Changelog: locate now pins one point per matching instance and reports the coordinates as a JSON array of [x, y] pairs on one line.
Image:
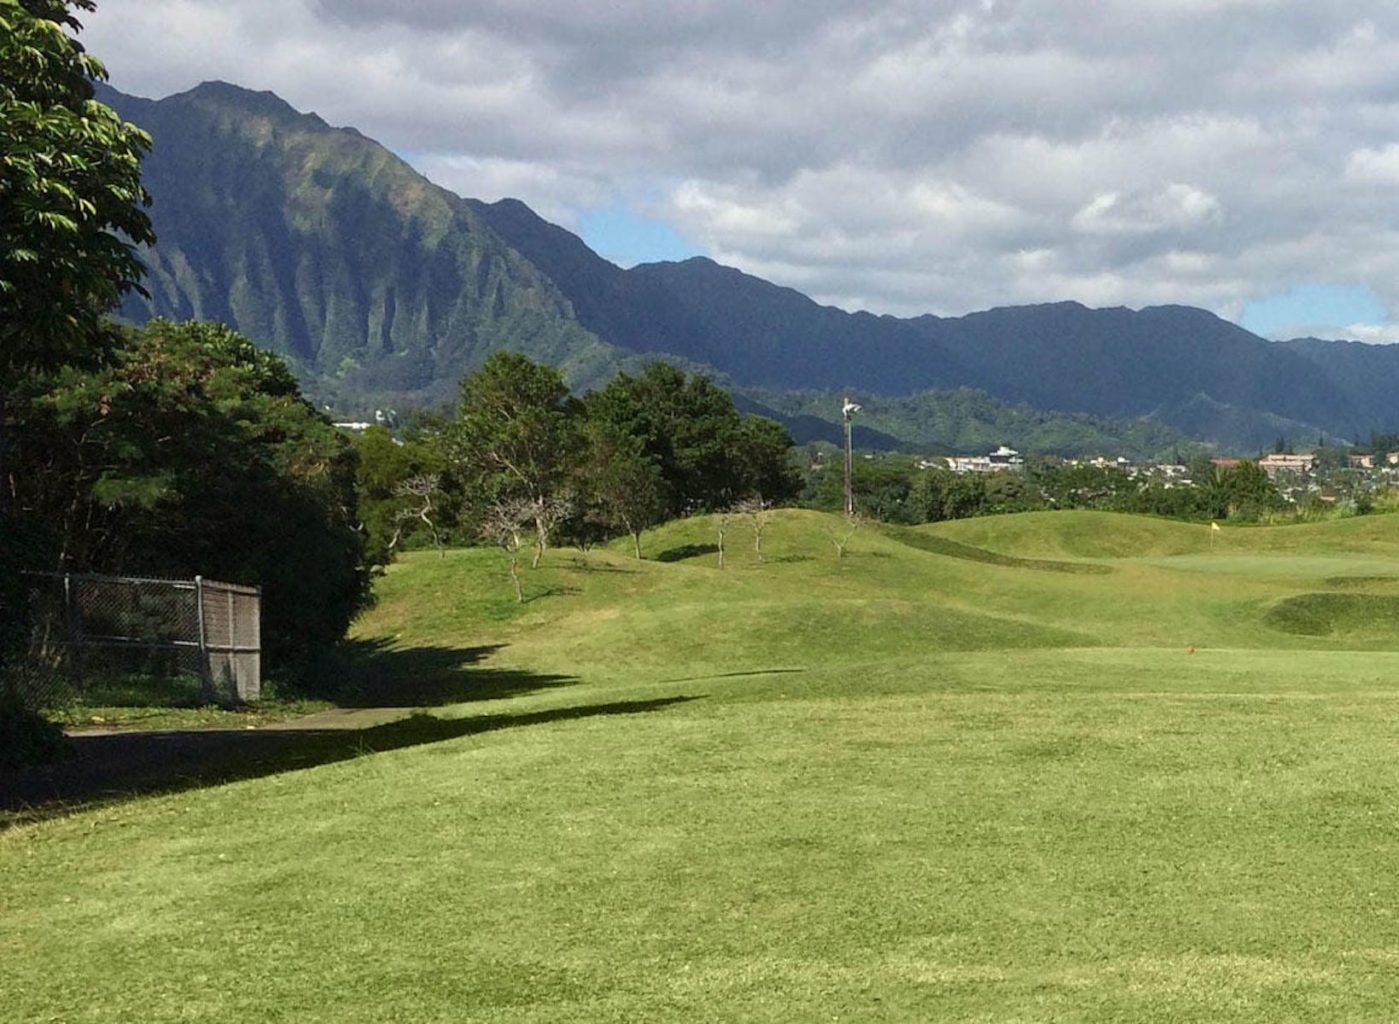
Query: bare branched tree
[[756, 511], [548, 513], [841, 532], [424, 489], [506, 525]]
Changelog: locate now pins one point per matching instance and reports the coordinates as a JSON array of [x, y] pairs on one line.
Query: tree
[[763, 456], [71, 201], [623, 486], [504, 525], [388, 506], [71, 214], [192, 451], [707, 454], [515, 436], [757, 512], [840, 531], [723, 519], [422, 490]]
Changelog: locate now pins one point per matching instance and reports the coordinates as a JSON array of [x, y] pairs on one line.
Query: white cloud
[[907, 155], [1374, 166]]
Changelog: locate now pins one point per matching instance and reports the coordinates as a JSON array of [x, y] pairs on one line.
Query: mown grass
[[906, 784]]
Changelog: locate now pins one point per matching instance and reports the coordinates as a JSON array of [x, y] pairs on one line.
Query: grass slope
[[938, 779]]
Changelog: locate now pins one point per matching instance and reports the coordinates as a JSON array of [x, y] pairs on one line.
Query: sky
[[900, 156]]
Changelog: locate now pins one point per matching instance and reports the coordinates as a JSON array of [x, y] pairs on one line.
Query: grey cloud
[[906, 154]]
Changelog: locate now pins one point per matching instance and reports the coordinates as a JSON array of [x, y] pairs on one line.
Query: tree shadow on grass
[[379, 674], [109, 767], [687, 551]]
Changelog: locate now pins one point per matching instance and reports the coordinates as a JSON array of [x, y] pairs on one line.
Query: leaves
[[71, 201]]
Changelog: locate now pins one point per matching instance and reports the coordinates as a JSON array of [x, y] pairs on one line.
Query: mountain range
[[382, 288]]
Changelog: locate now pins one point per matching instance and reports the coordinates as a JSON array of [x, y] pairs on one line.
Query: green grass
[[932, 780]]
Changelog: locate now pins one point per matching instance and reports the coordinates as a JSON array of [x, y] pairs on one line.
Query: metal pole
[[849, 467]]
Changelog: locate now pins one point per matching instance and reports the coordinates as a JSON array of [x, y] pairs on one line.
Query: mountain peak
[[263, 103]]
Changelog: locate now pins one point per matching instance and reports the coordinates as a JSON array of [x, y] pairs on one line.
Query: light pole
[[847, 411]]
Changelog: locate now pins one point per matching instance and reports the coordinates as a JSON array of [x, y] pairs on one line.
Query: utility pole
[[847, 411]]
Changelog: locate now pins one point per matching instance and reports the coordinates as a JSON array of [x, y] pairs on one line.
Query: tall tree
[[515, 436], [190, 452], [707, 454], [71, 215], [618, 481]]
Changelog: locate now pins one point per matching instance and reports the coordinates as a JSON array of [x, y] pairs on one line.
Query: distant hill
[[382, 287], [1369, 375], [963, 421]]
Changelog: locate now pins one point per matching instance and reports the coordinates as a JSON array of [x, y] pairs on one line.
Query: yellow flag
[[1214, 526]]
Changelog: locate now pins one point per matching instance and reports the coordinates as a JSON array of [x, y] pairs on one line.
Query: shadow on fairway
[[110, 767], [381, 675], [687, 551]]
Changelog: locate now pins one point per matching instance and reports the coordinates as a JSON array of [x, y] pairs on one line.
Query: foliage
[[193, 452], [70, 192], [707, 454], [893, 489], [515, 434], [623, 488], [388, 513]]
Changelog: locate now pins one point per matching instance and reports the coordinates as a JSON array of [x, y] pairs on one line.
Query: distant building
[[1002, 460], [1275, 464], [1363, 461]]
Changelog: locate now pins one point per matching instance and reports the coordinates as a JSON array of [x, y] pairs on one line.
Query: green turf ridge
[[906, 784]]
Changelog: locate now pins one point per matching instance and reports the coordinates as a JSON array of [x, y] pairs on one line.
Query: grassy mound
[[1365, 618]]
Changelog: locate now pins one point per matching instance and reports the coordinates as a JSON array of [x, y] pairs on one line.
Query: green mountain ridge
[[323, 245], [383, 288]]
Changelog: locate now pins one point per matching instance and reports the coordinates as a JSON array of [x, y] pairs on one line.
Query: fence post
[[73, 633], [206, 670]]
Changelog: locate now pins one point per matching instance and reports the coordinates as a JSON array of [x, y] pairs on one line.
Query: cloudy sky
[[902, 156]]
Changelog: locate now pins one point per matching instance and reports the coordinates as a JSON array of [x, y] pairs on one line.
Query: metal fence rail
[[198, 639]]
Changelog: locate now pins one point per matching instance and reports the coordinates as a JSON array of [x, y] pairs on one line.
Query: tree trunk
[[539, 543], [515, 578], [636, 543]]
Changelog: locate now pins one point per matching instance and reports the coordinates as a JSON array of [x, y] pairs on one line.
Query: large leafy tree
[[708, 455], [71, 216], [516, 438], [71, 201], [192, 451]]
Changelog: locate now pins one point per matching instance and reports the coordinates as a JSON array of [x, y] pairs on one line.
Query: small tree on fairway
[[424, 490], [840, 533], [505, 525], [756, 511]]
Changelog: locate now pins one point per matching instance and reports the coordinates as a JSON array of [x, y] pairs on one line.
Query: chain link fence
[[126, 639]]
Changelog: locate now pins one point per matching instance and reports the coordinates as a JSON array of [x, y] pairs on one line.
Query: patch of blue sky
[[627, 238], [1312, 307]]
